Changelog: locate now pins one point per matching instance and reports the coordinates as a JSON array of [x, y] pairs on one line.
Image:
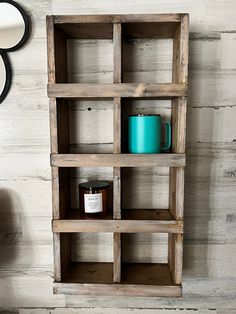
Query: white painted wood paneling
[[25, 188]]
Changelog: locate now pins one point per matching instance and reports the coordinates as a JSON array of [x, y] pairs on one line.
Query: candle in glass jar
[[93, 198]]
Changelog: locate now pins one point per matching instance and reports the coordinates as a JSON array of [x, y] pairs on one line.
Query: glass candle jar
[[93, 198]]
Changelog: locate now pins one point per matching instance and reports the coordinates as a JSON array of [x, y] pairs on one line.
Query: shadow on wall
[[199, 170], [10, 234]]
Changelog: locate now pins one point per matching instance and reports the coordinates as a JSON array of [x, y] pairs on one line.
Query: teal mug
[[145, 134]]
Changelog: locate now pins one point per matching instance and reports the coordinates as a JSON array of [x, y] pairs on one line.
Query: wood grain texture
[[51, 50], [123, 226], [117, 150], [209, 262], [117, 53], [122, 311], [53, 125], [178, 122], [175, 257], [117, 160], [118, 290], [164, 18], [118, 90], [117, 78]]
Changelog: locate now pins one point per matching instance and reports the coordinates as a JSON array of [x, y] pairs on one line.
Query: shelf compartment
[[146, 273], [138, 280], [137, 90], [72, 126], [131, 106], [70, 57], [117, 160]]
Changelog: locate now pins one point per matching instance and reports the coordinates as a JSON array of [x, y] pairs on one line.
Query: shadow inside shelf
[[127, 214], [75, 214], [146, 274], [132, 273], [147, 214], [89, 272]]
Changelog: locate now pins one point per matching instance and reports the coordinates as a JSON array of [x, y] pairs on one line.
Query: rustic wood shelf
[[136, 90], [117, 277], [148, 221], [139, 279], [117, 160]]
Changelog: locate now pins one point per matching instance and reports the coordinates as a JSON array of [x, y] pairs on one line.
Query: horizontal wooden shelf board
[[118, 18], [138, 279], [117, 160], [136, 90], [174, 291], [122, 226]]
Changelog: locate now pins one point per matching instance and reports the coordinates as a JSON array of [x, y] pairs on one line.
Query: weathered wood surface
[[121, 311], [117, 290], [118, 18], [117, 160], [125, 226], [210, 220], [118, 90]]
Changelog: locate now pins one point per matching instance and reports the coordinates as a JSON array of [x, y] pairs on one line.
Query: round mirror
[[12, 26], [5, 75], [14, 29]]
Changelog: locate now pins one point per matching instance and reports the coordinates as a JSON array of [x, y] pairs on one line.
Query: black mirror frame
[[4, 51]]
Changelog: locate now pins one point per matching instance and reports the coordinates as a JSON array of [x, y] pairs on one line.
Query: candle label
[[93, 203]]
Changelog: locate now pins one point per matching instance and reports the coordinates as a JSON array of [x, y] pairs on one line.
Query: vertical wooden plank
[[117, 190], [176, 194], [180, 51], [53, 125], [178, 122], [61, 254], [50, 50], [176, 191], [175, 256], [55, 193], [57, 256], [117, 53], [117, 257], [117, 78], [63, 126], [178, 119], [59, 134], [117, 126]]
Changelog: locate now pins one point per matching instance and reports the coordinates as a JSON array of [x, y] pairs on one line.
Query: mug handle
[[168, 137]]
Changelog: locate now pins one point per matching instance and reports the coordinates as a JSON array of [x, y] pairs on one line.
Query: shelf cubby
[[82, 126], [148, 52], [137, 278], [109, 60], [73, 46]]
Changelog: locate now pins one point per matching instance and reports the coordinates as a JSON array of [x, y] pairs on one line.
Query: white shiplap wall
[[210, 198]]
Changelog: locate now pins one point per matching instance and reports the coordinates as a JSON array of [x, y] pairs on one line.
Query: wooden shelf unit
[[117, 278]]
